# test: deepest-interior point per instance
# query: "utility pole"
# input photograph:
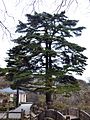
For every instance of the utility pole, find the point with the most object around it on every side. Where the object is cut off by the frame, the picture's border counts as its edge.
(17, 98)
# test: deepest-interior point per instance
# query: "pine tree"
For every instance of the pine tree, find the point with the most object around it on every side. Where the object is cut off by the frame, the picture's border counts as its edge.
(43, 54)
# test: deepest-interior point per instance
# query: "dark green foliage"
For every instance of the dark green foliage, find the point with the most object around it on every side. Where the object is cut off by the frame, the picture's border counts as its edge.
(43, 50)
(3, 71)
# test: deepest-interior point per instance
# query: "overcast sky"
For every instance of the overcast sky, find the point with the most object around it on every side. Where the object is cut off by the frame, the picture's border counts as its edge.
(16, 11)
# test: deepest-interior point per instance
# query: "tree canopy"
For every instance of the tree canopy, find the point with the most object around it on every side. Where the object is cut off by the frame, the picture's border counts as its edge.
(43, 54)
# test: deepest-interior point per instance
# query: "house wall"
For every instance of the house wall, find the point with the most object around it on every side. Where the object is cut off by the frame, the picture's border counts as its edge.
(22, 97)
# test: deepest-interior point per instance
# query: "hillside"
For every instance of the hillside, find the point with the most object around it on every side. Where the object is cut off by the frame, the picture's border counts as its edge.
(3, 82)
(79, 99)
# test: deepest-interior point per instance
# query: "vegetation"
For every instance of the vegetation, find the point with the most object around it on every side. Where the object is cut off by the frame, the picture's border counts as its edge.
(77, 99)
(43, 57)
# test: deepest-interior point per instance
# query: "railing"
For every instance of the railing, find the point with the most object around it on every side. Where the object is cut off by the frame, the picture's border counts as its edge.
(72, 113)
(50, 113)
(12, 115)
(82, 115)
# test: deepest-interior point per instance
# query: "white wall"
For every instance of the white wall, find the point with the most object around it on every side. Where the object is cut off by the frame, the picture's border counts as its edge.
(22, 97)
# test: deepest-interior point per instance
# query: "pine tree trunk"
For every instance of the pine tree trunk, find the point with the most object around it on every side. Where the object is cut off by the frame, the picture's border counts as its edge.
(48, 67)
(48, 99)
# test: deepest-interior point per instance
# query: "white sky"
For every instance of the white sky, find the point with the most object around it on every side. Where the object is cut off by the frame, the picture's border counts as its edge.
(17, 12)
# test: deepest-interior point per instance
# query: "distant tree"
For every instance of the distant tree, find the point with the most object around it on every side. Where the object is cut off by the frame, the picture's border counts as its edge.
(43, 55)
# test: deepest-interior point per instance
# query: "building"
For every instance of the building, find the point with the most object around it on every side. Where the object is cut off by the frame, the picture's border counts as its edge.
(12, 94)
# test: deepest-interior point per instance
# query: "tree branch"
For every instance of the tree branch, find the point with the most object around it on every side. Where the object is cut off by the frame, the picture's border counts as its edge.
(65, 4)
(4, 28)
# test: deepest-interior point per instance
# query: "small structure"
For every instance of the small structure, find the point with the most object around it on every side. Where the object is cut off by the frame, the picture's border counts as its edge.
(12, 94)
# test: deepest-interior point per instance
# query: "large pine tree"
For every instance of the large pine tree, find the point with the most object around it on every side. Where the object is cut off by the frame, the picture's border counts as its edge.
(43, 54)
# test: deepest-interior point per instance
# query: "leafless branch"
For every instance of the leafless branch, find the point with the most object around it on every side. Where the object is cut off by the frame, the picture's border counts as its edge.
(70, 3)
(6, 12)
(62, 4)
(18, 2)
(65, 4)
(4, 6)
(33, 4)
(4, 28)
